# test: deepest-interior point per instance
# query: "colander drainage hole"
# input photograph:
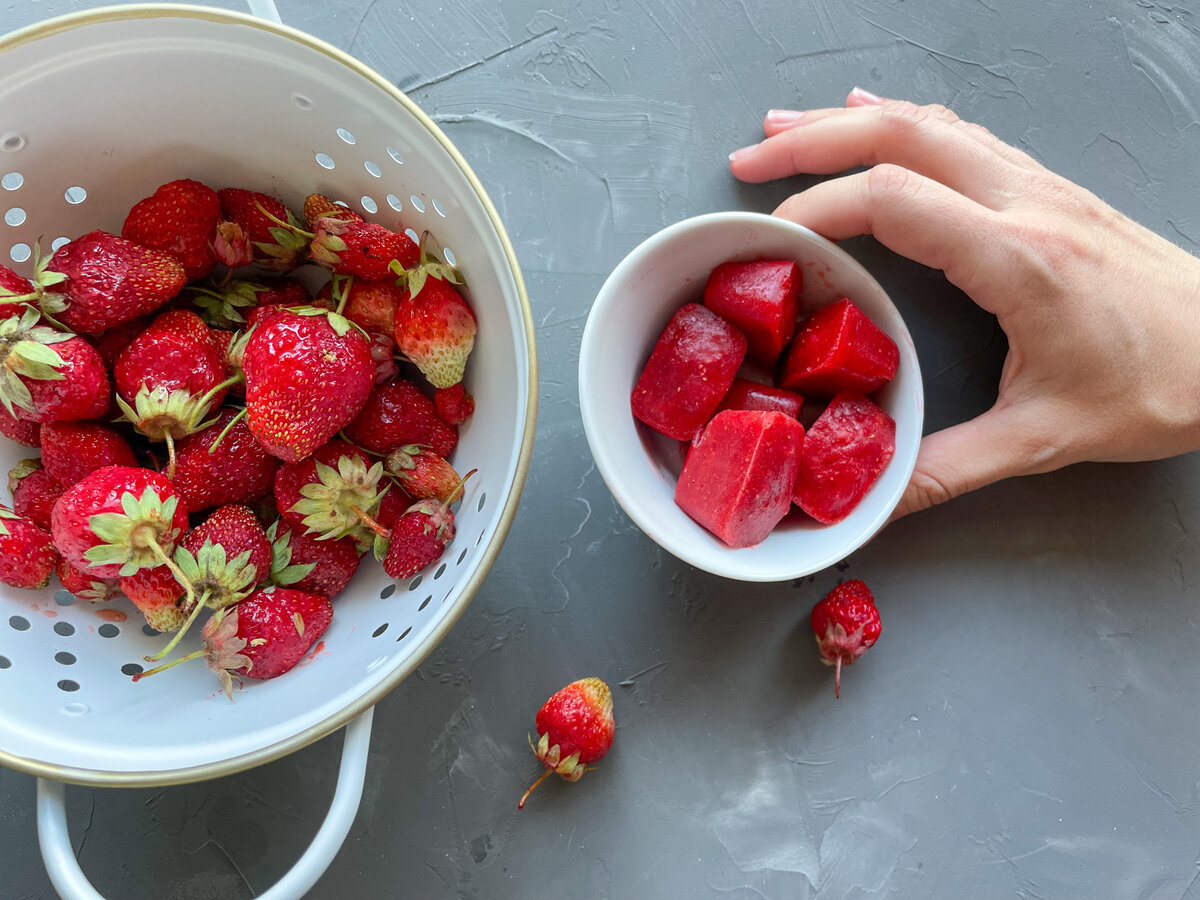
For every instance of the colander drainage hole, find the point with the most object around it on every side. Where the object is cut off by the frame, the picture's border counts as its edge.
(450, 257)
(109, 630)
(424, 603)
(346, 136)
(130, 669)
(415, 583)
(404, 634)
(12, 181)
(18, 623)
(75, 195)
(66, 629)
(387, 592)
(462, 556)
(20, 252)
(380, 630)
(395, 154)
(64, 658)
(12, 143)
(147, 630)
(482, 500)
(325, 161)
(394, 202)
(437, 207)
(417, 202)
(439, 572)
(68, 685)
(369, 204)
(64, 598)
(59, 242)
(15, 216)
(416, 238)
(302, 102)
(5, 662)
(373, 169)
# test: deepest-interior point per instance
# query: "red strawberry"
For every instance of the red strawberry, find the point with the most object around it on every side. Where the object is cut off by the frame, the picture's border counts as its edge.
(156, 593)
(575, 729)
(307, 376)
(27, 433)
(112, 341)
(118, 520)
(318, 206)
(238, 470)
(34, 492)
(49, 376)
(180, 219)
(110, 280)
(392, 505)
(362, 249)
(845, 623)
(435, 328)
(371, 305)
(270, 226)
(84, 586)
(454, 404)
(27, 556)
(334, 493)
(418, 538)
(73, 450)
(15, 290)
(262, 637)
(398, 413)
(424, 474)
(307, 564)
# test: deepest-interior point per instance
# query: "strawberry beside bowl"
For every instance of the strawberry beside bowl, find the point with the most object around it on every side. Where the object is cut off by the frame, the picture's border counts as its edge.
(641, 466)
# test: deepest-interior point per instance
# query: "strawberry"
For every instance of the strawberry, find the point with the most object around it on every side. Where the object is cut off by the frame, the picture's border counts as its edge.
(362, 249)
(454, 404)
(47, 375)
(224, 307)
(73, 450)
(232, 246)
(84, 586)
(27, 433)
(398, 413)
(156, 593)
(169, 377)
(334, 493)
(27, 555)
(418, 538)
(318, 206)
(236, 470)
(575, 729)
(307, 564)
(15, 290)
(110, 342)
(268, 225)
(424, 474)
(34, 492)
(110, 280)
(371, 305)
(262, 637)
(394, 502)
(118, 520)
(435, 328)
(269, 306)
(845, 623)
(179, 219)
(307, 375)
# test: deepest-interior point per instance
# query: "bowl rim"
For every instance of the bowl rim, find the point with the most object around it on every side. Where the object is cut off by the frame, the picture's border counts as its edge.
(610, 471)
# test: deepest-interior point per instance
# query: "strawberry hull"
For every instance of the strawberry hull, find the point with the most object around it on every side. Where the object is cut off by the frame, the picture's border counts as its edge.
(761, 298)
(688, 373)
(839, 349)
(846, 449)
(738, 477)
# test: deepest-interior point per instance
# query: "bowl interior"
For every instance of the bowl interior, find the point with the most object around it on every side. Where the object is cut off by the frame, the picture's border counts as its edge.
(640, 466)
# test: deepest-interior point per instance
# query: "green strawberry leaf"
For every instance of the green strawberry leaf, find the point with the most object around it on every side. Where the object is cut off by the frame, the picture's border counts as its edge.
(379, 547)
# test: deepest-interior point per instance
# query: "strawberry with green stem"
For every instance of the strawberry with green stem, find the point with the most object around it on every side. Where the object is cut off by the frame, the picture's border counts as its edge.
(318, 206)
(304, 563)
(27, 553)
(34, 492)
(223, 306)
(180, 219)
(333, 494)
(18, 292)
(846, 624)
(434, 327)
(420, 536)
(424, 474)
(263, 226)
(575, 730)
(48, 375)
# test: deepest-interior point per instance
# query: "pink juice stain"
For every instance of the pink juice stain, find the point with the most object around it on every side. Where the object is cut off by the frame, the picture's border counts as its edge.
(112, 615)
(50, 613)
(316, 653)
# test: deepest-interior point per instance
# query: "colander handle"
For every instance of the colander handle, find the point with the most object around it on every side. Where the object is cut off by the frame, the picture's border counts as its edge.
(265, 9)
(70, 882)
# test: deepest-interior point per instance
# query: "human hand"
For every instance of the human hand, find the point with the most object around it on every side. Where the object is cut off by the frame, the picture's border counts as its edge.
(1102, 315)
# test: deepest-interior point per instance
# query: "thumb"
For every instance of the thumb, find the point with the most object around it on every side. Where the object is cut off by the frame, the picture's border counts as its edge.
(962, 458)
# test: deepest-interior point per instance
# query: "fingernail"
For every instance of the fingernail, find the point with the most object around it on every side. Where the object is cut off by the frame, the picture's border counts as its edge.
(741, 154)
(784, 117)
(867, 97)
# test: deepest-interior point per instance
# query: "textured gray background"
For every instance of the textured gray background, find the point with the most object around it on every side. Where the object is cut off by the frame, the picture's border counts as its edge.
(1028, 724)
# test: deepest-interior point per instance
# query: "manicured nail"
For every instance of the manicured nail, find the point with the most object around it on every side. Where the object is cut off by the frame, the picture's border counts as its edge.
(784, 118)
(865, 97)
(741, 154)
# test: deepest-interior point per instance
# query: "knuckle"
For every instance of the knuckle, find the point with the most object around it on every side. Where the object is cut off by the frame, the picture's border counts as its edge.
(888, 182)
(942, 114)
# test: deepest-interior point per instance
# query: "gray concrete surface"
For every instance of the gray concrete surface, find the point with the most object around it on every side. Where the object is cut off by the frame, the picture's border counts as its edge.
(1027, 725)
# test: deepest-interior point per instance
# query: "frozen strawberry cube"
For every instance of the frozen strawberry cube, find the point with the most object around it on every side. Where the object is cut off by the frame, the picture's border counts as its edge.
(689, 371)
(737, 479)
(845, 450)
(760, 298)
(839, 349)
(744, 394)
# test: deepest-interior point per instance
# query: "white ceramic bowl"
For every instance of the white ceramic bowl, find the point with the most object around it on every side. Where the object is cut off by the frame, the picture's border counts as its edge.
(640, 466)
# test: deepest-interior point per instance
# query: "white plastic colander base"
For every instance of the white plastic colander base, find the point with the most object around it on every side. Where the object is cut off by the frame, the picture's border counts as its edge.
(98, 115)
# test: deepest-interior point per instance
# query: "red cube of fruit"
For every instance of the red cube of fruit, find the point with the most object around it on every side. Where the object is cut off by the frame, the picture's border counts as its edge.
(689, 371)
(744, 394)
(844, 452)
(738, 477)
(761, 298)
(839, 349)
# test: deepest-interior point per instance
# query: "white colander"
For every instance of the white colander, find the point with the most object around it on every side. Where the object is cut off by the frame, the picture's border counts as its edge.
(99, 109)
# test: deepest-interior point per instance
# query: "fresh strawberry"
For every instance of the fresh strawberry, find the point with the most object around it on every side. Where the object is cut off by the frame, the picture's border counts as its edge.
(435, 328)
(268, 306)
(27, 555)
(394, 502)
(34, 492)
(110, 280)
(307, 564)
(371, 305)
(118, 520)
(398, 413)
(237, 470)
(170, 377)
(15, 290)
(454, 404)
(334, 493)
(575, 729)
(307, 376)
(418, 538)
(49, 376)
(424, 474)
(362, 249)
(84, 586)
(28, 434)
(112, 341)
(180, 219)
(262, 637)
(73, 450)
(845, 623)
(270, 226)
(156, 593)
(318, 206)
